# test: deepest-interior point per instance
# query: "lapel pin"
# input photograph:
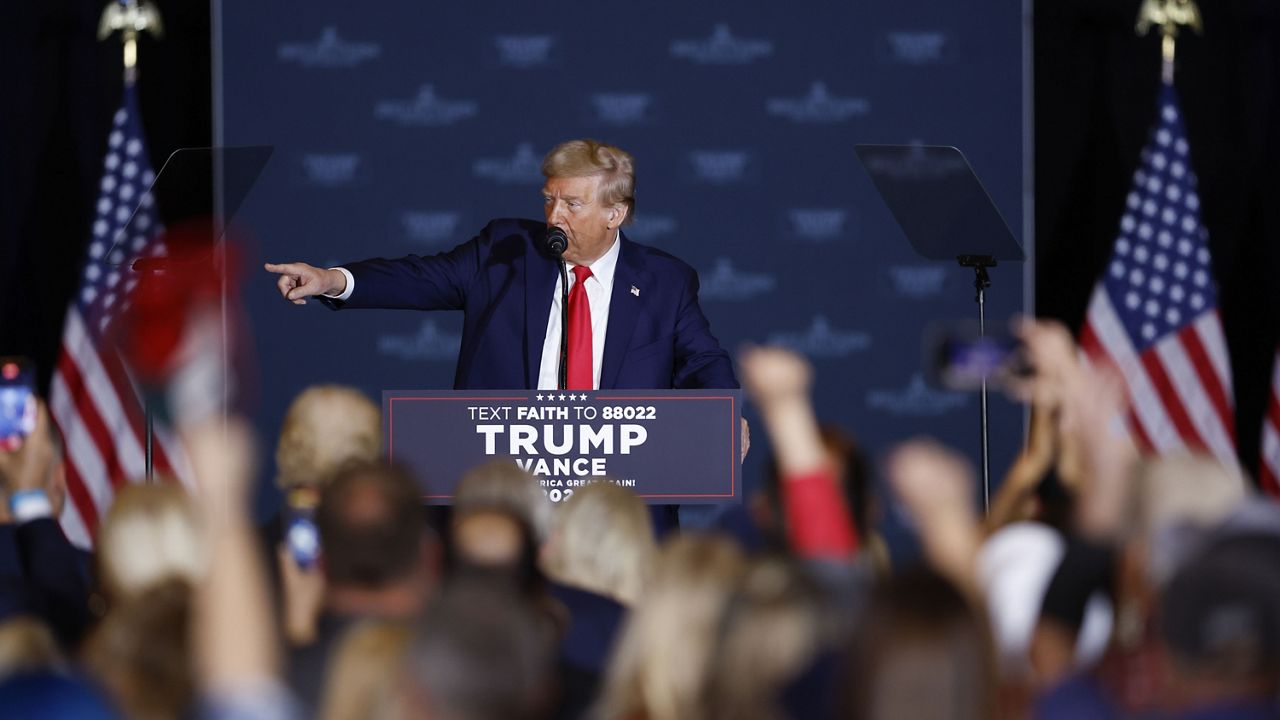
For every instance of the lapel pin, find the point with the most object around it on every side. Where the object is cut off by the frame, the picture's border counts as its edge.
(635, 291)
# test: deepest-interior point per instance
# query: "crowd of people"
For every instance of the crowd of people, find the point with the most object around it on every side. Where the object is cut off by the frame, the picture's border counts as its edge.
(1101, 584)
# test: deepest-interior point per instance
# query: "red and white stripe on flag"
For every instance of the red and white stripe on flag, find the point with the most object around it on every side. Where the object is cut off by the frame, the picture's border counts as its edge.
(1179, 389)
(1269, 469)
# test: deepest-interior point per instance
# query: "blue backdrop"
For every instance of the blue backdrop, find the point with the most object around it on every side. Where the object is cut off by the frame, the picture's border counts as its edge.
(401, 127)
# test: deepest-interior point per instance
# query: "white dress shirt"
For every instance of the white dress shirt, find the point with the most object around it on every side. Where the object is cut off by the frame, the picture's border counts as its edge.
(599, 292)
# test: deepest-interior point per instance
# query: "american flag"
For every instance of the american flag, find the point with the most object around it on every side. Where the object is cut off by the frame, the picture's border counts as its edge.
(1154, 313)
(93, 400)
(1269, 470)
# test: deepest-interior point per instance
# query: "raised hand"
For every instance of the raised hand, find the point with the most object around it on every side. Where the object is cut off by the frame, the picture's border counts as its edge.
(935, 485)
(27, 468)
(772, 374)
(778, 381)
(299, 281)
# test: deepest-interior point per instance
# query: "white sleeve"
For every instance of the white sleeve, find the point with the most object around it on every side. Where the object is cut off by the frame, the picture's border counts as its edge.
(351, 284)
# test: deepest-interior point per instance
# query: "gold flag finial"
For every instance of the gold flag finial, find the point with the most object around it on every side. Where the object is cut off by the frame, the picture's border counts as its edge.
(1168, 15)
(130, 17)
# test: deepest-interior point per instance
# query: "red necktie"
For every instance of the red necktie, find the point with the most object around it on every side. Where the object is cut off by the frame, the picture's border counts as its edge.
(579, 371)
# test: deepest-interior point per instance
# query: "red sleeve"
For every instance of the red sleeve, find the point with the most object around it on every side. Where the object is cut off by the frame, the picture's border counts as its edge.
(818, 522)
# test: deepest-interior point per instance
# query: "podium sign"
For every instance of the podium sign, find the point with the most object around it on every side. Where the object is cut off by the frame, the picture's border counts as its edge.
(667, 446)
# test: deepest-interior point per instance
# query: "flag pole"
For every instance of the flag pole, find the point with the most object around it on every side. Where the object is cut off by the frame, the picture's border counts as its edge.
(131, 17)
(1168, 15)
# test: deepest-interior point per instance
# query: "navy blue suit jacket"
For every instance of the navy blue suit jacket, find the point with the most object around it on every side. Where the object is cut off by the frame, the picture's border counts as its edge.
(503, 282)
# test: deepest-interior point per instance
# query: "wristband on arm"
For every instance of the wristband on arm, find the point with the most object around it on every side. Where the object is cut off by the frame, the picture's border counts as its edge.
(27, 505)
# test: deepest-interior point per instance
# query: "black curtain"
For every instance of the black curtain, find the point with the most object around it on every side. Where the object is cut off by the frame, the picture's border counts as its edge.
(1096, 85)
(58, 92)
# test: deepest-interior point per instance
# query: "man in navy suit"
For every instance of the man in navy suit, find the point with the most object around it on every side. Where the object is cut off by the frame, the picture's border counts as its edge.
(648, 329)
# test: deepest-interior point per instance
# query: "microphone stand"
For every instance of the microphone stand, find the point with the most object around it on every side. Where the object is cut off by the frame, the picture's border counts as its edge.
(563, 380)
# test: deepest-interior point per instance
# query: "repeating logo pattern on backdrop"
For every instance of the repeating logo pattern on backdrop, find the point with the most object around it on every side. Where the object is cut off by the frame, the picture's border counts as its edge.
(917, 282)
(917, 399)
(426, 108)
(331, 170)
(621, 108)
(818, 106)
(720, 167)
(915, 47)
(524, 51)
(650, 227)
(430, 343)
(330, 51)
(523, 167)
(418, 123)
(725, 282)
(816, 225)
(722, 48)
(435, 229)
(821, 340)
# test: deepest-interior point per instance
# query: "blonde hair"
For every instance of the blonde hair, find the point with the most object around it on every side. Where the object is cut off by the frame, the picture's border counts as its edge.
(1174, 495)
(663, 657)
(141, 652)
(770, 633)
(603, 542)
(502, 484)
(363, 672)
(326, 428)
(151, 534)
(27, 645)
(614, 166)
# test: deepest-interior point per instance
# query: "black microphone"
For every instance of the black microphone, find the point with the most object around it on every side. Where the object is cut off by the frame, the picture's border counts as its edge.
(557, 241)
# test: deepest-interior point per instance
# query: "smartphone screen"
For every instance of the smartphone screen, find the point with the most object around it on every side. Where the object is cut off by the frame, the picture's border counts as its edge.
(962, 360)
(17, 402)
(302, 538)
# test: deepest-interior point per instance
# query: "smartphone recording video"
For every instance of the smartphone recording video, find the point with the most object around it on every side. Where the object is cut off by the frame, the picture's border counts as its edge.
(17, 402)
(960, 358)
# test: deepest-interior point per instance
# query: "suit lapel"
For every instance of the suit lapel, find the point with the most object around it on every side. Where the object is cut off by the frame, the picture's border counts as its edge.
(541, 275)
(624, 308)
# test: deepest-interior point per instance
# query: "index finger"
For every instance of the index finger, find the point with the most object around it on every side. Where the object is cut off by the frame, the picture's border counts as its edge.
(284, 268)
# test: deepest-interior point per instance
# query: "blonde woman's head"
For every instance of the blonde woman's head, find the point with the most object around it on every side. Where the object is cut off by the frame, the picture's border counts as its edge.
(769, 634)
(364, 671)
(663, 657)
(603, 542)
(151, 534)
(326, 428)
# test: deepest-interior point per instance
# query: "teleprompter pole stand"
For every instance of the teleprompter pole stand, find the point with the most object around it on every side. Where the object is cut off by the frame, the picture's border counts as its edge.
(947, 216)
(982, 281)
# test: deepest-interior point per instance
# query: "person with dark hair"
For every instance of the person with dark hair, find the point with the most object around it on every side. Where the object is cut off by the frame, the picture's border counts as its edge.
(770, 637)
(924, 652)
(481, 654)
(494, 544)
(377, 558)
(497, 511)
(760, 523)
(1220, 622)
